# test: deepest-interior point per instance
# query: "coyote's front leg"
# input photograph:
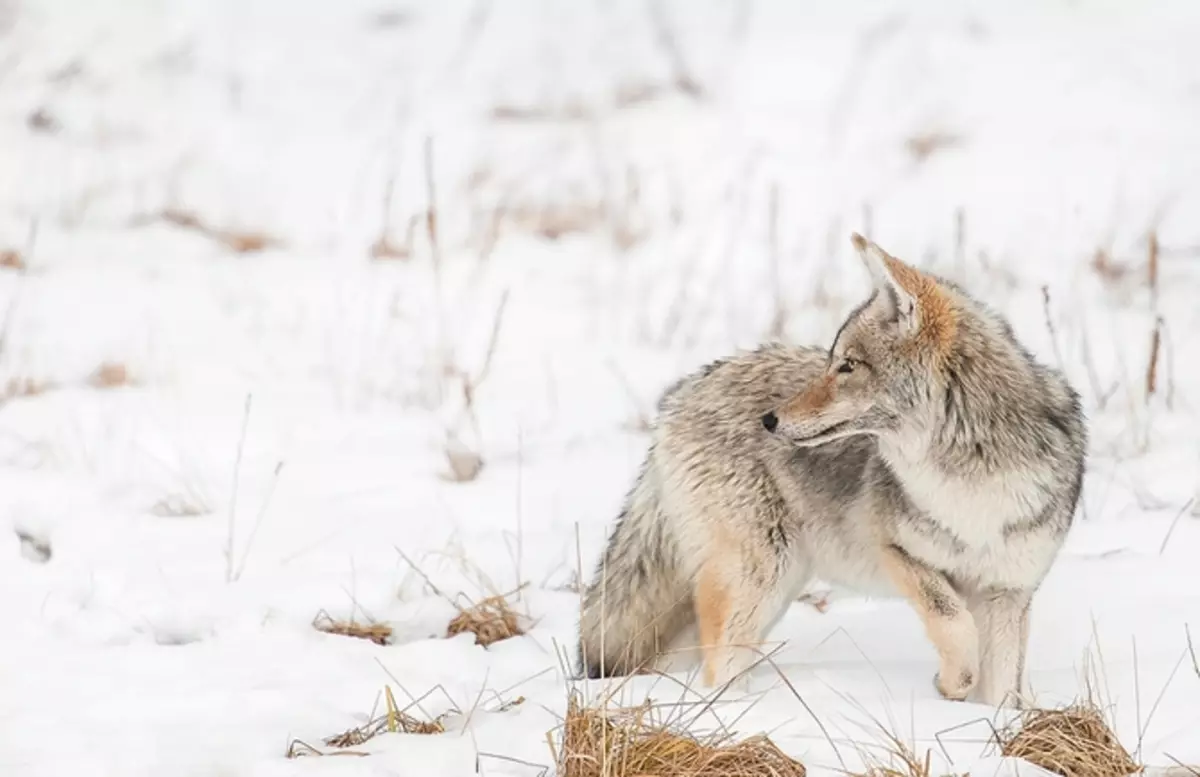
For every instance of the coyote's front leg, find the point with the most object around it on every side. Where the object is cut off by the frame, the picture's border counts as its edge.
(948, 621)
(1002, 617)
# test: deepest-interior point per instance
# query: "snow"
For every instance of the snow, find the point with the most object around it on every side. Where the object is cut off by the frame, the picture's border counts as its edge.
(670, 179)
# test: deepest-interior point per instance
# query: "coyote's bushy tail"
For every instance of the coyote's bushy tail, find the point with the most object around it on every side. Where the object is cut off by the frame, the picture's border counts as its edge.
(638, 602)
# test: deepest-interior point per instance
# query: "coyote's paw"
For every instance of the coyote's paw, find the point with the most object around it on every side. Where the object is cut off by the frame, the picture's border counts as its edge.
(957, 690)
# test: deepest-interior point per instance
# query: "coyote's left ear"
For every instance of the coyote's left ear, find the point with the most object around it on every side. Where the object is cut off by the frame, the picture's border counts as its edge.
(900, 283)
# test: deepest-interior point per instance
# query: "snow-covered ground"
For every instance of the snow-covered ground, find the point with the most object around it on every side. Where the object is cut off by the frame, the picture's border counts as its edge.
(623, 190)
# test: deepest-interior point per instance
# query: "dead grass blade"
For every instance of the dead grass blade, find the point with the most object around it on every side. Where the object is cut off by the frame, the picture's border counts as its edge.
(634, 741)
(1074, 741)
(298, 748)
(239, 242)
(379, 633)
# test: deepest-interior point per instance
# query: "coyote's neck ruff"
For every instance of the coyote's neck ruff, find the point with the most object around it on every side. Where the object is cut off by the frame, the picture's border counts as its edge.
(925, 452)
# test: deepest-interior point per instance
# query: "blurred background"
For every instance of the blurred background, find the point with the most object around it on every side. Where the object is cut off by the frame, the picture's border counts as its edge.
(308, 304)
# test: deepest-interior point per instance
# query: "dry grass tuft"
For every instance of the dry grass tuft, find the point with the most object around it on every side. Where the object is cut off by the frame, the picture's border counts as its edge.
(491, 620)
(575, 216)
(12, 259)
(1075, 741)
(633, 93)
(464, 464)
(902, 760)
(925, 145)
(25, 387)
(400, 722)
(110, 375)
(379, 633)
(385, 249)
(246, 242)
(177, 505)
(596, 742)
(554, 221)
(1108, 268)
(569, 111)
(394, 720)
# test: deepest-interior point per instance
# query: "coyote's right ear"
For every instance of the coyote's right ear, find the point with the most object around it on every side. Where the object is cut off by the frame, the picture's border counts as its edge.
(899, 282)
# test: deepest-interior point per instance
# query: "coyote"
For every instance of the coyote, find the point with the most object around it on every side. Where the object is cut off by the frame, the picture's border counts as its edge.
(926, 453)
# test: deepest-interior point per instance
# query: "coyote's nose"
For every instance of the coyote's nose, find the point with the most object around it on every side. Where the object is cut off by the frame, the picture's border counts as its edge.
(770, 421)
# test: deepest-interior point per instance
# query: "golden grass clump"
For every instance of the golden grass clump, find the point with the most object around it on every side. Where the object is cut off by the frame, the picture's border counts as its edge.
(379, 633)
(631, 742)
(490, 620)
(1075, 741)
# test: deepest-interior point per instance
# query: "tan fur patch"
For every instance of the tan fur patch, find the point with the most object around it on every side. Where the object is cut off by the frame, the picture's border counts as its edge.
(811, 400)
(712, 604)
(910, 582)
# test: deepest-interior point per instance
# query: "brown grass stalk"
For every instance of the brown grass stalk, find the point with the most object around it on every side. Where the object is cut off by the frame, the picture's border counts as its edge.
(1152, 365)
(1152, 265)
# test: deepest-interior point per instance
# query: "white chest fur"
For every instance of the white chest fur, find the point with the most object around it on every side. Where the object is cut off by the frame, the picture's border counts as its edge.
(975, 510)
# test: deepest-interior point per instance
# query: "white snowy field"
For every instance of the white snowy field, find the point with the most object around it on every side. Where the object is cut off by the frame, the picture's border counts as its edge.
(203, 448)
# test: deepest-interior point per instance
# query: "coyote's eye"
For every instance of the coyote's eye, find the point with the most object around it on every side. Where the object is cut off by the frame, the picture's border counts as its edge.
(847, 366)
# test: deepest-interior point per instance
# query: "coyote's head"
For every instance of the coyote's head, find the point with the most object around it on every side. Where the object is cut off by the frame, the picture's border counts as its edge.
(884, 362)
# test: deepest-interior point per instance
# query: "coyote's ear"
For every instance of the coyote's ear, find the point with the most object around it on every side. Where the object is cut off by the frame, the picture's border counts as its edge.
(899, 283)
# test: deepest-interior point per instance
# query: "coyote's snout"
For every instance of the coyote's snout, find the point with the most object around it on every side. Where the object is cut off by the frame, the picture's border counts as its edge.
(828, 410)
(925, 451)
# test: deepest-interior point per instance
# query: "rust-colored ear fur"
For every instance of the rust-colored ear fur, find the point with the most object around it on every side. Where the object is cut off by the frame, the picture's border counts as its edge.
(936, 316)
